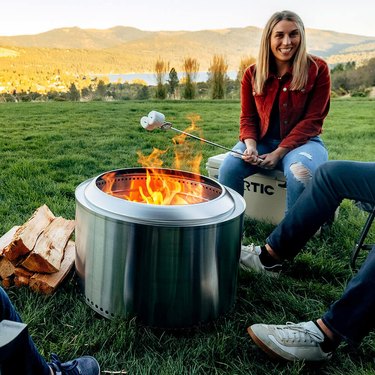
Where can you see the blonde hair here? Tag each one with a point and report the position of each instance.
(301, 59)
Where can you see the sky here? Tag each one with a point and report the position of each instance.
(18, 17)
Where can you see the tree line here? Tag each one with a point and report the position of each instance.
(346, 79)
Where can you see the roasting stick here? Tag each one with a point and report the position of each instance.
(157, 120)
(168, 125)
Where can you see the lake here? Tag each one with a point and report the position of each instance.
(150, 78)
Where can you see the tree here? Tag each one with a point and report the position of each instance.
(244, 64)
(161, 68)
(87, 93)
(346, 78)
(217, 76)
(73, 93)
(101, 89)
(190, 68)
(143, 93)
(340, 67)
(173, 82)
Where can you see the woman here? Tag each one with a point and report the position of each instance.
(284, 100)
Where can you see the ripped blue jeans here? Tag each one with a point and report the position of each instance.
(298, 166)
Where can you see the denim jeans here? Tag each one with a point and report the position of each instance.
(234, 170)
(27, 360)
(352, 316)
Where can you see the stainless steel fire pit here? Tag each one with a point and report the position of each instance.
(171, 266)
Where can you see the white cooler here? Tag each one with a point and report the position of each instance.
(265, 193)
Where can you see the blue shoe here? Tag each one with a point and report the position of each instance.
(85, 365)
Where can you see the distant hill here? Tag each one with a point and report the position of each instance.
(126, 49)
(74, 37)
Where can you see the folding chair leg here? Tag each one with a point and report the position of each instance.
(359, 245)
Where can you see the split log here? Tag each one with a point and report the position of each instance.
(7, 238)
(22, 276)
(7, 283)
(26, 236)
(48, 252)
(21, 281)
(47, 283)
(20, 271)
(6, 266)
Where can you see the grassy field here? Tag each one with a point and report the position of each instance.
(47, 149)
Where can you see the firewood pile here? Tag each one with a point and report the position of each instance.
(39, 253)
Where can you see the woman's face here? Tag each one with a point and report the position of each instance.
(285, 40)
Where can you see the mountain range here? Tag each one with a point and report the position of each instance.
(125, 49)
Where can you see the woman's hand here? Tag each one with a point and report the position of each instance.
(250, 155)
(271, 160)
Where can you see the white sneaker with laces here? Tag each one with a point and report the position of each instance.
(249, 259)
(293, 342)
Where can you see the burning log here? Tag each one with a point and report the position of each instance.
(48, 252)
(26, 236)
(47, 283)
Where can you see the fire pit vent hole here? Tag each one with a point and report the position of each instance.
(99, 309)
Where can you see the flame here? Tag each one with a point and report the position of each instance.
(185, 158)
(153, 160)
(160, 187)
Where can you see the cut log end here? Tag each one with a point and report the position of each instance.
(47, 284)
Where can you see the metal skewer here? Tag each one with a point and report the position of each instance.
(156, 120)
(168, 125)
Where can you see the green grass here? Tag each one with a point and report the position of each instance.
(47, 149)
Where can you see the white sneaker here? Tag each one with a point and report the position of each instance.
(249, 259)
(291, 341)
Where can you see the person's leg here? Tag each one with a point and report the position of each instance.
(299, 166)
(233, 170)
(28, 360)
(332, 182)
(352, 316)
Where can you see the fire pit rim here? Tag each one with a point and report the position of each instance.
(89, 195)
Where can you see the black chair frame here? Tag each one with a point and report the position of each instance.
(360, 245)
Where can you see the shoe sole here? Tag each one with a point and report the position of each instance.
(263, 346)
(274, 274)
